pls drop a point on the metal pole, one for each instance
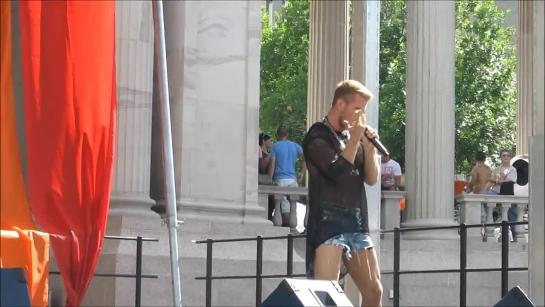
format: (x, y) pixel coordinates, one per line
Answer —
(168, 160)
(504, 258)
(138, 289)
(463, 264)
(290, 256)
(397, 246)
(208, 272)
(259, 271)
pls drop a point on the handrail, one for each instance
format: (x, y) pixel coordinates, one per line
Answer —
(138, 275)
(463, 270)
(492, 198)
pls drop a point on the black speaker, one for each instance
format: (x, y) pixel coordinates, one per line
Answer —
(515, 297)
(305, 292)
(13, 286)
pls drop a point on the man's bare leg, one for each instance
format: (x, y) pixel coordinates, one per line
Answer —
(364, 269)
(327, 262)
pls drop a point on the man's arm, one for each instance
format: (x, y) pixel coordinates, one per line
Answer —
(322, 156)
(370, 166)
(474, 179)
(397, 182)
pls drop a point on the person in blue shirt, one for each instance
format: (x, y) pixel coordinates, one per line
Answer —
(284, 155)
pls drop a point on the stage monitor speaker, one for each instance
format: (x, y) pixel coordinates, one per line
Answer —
(515, 297)
(305, 292)
(14, 290)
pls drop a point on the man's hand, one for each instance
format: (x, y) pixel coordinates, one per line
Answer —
(355, 129)
(368, 134)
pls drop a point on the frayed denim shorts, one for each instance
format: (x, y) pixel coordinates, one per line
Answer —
(351, 242)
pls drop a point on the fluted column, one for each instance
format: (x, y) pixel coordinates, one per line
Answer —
(328, 55)
(213, 66)
(536, 250)
(524, 76)
(134, 47)
(429, 136)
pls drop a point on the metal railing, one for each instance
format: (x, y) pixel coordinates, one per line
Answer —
(259, 264)
(463, 270)
(138, 268)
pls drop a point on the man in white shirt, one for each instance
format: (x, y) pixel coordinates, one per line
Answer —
(390, 174)
(502, 174)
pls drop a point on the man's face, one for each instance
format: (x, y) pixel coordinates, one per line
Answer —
(353, 109)
(505, 158)
(384, 158)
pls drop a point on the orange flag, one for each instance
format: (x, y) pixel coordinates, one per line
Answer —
(69, 90)
(15, 210)
(20, 245)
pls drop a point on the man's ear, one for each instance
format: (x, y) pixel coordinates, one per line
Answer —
(340, 104)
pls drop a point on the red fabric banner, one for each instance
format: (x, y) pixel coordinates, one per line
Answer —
(69, 92)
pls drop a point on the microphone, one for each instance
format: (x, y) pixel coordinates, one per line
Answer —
(378, 145)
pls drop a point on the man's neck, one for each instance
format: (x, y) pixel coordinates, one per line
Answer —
(334, 120)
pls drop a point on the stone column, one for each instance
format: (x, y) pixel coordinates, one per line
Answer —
(213, 64)
(524, 76)
(134, 45)
(429, 138)
(536, 251)
(365, 44)
(328, 55)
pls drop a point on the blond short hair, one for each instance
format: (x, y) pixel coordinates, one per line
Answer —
(346, 89)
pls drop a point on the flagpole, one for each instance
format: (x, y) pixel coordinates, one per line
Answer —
(168, 160)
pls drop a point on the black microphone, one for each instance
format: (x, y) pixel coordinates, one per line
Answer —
(379, 146)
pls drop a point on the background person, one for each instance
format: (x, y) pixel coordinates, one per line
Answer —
(284, 155)
(390, 174)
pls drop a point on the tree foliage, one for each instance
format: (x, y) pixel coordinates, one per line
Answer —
(393, 35)
(484, 76)
(485, 82)
(284, 70)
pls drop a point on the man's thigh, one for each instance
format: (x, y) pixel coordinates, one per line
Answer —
(364, 268)
(327, 262)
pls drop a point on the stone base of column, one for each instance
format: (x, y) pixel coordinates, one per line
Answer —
(197, 210)
(131, 204)
(436, 234)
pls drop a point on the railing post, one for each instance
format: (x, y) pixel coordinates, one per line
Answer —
(396, 265)
(290, 256)
(209, 272)
(463, 264)
(259, 271)
(138, 288)
(504, 257)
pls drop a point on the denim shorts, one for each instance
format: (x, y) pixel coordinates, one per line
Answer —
(351, 242)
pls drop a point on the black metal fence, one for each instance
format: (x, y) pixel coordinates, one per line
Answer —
(463, 270)
(259, 276)
(138, 267)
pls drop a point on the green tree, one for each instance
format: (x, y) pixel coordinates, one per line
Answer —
(485, 77)
(284, 70)
(485, 80)
(393, 36)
